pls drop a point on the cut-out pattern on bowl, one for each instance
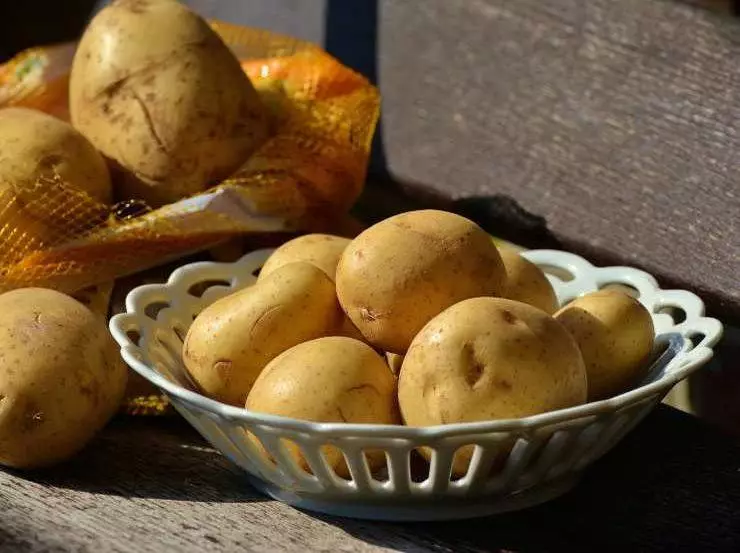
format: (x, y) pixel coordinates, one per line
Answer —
(512, 463)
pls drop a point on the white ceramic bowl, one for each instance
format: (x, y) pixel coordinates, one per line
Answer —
(549, 453)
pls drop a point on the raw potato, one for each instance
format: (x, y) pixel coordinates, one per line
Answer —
(525, 282)
(156, 90)
(34, 149)
(332, 379)
(615, 333)
(233, 339)
(398, 274)
(486, 359)
(322, 250)
(61, 377)
(35, 145)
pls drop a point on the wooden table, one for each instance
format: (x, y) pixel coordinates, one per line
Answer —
(607, 127)
(153, 486)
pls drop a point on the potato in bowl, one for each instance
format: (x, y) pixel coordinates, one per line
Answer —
(514, 462)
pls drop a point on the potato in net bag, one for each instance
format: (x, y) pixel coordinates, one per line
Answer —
(312, 168)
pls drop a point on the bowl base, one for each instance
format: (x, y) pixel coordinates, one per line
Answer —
(444, 509)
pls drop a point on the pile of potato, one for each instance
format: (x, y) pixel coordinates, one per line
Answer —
(420, 320)
(160, 109)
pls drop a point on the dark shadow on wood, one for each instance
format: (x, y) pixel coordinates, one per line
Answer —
(150, 457)
(721, 6)
(673, 484)
(500, 215)
(504, 217)
(713, 390)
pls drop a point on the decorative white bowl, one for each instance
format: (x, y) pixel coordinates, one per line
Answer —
(550, 450)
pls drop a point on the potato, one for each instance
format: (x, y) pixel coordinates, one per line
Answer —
(61, 377)
(525, 282)
(615, 334)
(156, 90)
(485, 359)
(332, 379)
(233, 339)
(398, 274)
(34, 145)
(34, 149)
(322, 250)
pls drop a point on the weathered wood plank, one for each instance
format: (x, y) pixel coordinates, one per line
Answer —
(153, 486)
(616, 121)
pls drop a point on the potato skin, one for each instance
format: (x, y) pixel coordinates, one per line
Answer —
(615, 334)
(486, 359)
(34, 145)
(232, 340)
(331, 379)
(398, 274)
(61, 377)
(322, 250)
(525, 282)
(156, 90)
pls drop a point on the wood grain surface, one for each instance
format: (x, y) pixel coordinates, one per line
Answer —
(615, 121)
(153, 486)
